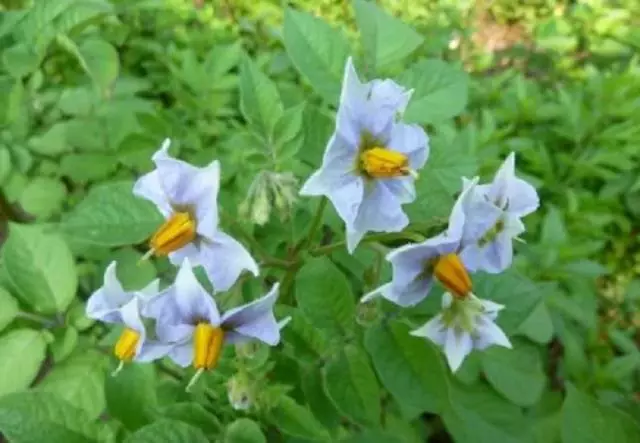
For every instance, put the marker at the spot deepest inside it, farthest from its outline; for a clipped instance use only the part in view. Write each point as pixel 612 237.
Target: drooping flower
pixel 187 198
pixel 189 322
pixel 267 191
pixel 416 265
pixel 463 325
pixel 370 163
pixel 240 392
pixel 488 246
pixel 112 304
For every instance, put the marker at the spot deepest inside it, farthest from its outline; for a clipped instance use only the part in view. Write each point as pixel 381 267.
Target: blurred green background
pixel 89 89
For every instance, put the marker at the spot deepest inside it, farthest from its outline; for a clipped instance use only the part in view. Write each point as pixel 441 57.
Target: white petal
pixel 353 239
pixel 380 211
pixel 412 141
pixel 182 354
pixel 189 251
pixel 456 347
pixel 490 334
pixel 224 259
pixel 434 330
pixel 151 351
pixel 191 299
pixel 104 303
pixel 256 319
pixel 151 290
pixel 150 187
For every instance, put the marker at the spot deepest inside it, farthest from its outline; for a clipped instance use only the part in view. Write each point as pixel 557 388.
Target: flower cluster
pixel 188 326
pixel 368 173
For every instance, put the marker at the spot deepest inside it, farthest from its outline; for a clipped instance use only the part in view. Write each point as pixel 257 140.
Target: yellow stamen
pixel 125 347
pixel 178 231
pixel 207 344
pixel 452 274
pixel 385 163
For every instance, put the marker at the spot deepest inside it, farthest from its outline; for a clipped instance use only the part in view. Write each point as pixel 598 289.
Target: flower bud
pixel 239 392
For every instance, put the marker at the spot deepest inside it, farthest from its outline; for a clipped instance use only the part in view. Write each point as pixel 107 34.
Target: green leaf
pixel 5 163
pixel 64 342
pixel 351 384
pixel 36 417
pixel 317 50
pixel 83 168
pixel 450 159
pixel 131 395
pixel 111 215
pixel 369 436
pixel 52 142
pixel 43 197
pixel 79 380
pixel 100 61
pixel 20 60
pixel 400 361
pixel 259 98
pixel 244 430
pixel 538 327
pixel 22 352
pixel 8 308
pixel 133 273
pixel 440 91
pixel 477 415
pixel 328 306
pixel 553 230
pixel 193 414
pixel 297 421
pixel 40 268
pixel 515 373
pixel 511 289
pixel 584 420
pixel 385 38
pixel 167 431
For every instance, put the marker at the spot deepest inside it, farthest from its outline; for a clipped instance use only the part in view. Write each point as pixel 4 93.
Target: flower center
pixel 450 271
pixel 207 345
pixel 492 233
pixel 380 162
pixel 178 231
pixel 125 347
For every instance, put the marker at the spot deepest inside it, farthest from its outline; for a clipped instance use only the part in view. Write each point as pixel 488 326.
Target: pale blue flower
pixel 463 325
pixel 112 304
pixel 493 214
pixel 176 187
pixel 370 199
pixel 413 265
pixel 181 308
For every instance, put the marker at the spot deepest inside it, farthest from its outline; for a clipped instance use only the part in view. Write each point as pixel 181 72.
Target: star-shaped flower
pixel 415 266
pixel 370 163
pixel 463 325
pixel 112 304
pixel 189 322
pixel 493 215
pixel 187 198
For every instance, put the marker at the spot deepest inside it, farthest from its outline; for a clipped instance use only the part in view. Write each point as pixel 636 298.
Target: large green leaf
pixel 131 395
pixel 440 91
pixel 80 381
pixel 43 197
pixel 385 38
pixel 584 420
pixel 244 430
pixel 40 268
pixel 351 384
pixel 41 417
pixel 193 414
pixel 329 305
pixel 297 421
pixel 409 367
pixel 515 373
pixel 111 215
pixel 100 59
pixel 8 308
pixel 477 415
pixel 167 431
pixel 317 50
pixel 22 352
pixel 511 289
pixel 259 99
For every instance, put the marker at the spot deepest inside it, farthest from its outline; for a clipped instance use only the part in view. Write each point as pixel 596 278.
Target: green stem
pixel 315 224
pixel 385 236
pixel 44 321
